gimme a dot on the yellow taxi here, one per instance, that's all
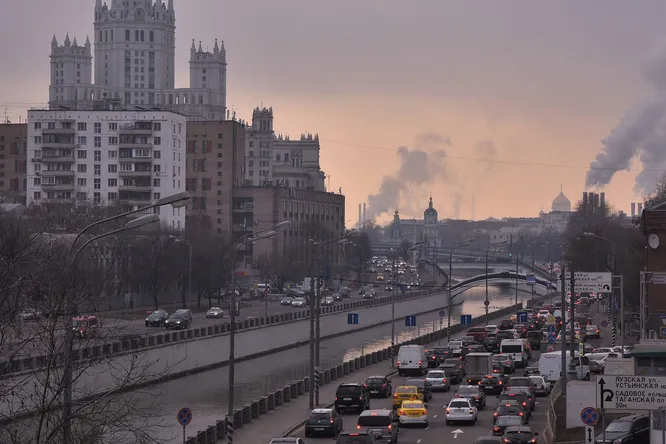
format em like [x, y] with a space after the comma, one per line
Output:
[406, 393]
[413, 412]
[514, 317]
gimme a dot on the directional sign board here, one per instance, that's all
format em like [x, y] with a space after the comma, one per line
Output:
[591, 282]
[589, 434]
[551, 328]
[531, 279]
[184, 416]
[410, 321]
[662, 332]
[465, 319]
[552, 338]
[631, 392]
[352, 318]
[522, 317]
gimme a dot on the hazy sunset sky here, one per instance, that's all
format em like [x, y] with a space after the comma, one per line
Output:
[533, 86]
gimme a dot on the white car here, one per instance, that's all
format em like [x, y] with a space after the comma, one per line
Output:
[492, 329]
[299, 302]
[461, 409]
[287, 300]
[541, 386]
[456, 347]
[438, 380]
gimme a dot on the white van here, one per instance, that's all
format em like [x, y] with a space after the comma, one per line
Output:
[517, 349]
[550, 365]
[412, 359]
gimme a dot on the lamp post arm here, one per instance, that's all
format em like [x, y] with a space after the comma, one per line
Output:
[72, 259]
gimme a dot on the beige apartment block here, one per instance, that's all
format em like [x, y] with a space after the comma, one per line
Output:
[13, 159]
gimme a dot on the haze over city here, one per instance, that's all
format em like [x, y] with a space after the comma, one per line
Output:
[511, 99]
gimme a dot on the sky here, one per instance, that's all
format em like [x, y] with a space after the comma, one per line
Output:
[496, 103]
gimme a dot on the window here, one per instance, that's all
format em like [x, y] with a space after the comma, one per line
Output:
[97, 169]
[191, 184]
[37, 195]
[98, 155]
[157, 126]
[157, 141]
[81, 154]
[206, 184]
[157, 154]
[113, 126]
[82, 140]
[156, 182]
[98, 128]
[113, 154]
[126, 167]
[37, 181]
[112, 196]
[113, 141]
[38, 139]
[136, 35]
[113, 168]
[82, 126]
[97, 198]
[81, 168]
[38, 125]
[81, 181]
[112, 182]
[98, 142]
[156, 196]
[127, 35]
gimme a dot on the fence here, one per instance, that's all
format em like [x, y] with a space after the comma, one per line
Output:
[551, 419]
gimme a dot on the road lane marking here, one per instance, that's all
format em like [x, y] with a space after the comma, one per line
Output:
[434, 416]
[418, 441]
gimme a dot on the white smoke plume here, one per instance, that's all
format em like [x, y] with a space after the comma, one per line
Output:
[641, 131]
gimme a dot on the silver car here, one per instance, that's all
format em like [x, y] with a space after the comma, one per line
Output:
[286, 300]
[461, 409]
[438, 381]
[299, 302]
[215, 312]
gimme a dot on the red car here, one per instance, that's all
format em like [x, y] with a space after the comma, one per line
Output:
[478, 333]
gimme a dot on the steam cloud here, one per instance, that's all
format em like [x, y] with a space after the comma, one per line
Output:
[420, 166]
[641, 131]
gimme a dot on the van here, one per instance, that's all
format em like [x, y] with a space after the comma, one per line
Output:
[550, 365]
[518, 349]
[412, 359]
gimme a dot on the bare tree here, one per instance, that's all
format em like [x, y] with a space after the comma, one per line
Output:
[211, 263]
[153, 265]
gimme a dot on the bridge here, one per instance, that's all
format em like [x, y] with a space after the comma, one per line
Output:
[501, 276]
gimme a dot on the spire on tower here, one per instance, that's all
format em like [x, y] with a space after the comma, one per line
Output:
[216, 48]
[67, 41]
[74, 43]
[87, 44]
[170, 6]
[54, 42]
[200, 48]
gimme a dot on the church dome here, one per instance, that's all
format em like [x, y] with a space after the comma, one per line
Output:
[430, 211]
[561, 203]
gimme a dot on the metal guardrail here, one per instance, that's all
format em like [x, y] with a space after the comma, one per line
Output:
[549, 434]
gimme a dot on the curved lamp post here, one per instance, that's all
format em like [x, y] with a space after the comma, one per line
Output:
[449, 309]
[490, 247]
[189, 263]
[244, 240]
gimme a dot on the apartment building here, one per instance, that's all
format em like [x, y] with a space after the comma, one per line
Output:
[313, 214]
[13, 146]
[215, 163]
[106, 155]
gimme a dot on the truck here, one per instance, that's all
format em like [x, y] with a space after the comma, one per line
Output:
[477, 366]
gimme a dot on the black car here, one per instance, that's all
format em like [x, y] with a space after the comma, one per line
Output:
[473, 392]
[632, 429]
[452, 371]
[534, 337]
[509, 410]
[506, 324]
[521, 398]
[354, 436]
[323, 422]
[177, 320]
[506, 421]
[519, 435]
[491, 344]
[493, 384]
[442, 353]
[473, 348]
[352, 396]
[157, 318]
[488, 440]
[504, 334]
[529, 391]
[423, 387]
[379, 386]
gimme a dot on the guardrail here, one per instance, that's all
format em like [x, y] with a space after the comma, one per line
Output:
[274, 400]
[129, 342]
[549, 434]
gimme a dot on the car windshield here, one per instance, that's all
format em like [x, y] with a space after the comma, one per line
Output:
[459, 404]
[157, 314]
[374, 421]
[412, 405]
[619, 426]
[435, 375]
[415, 382]
[299, 300]
[405, 390]
[177, 316]
[448, 365]
[455, 344]
[319, 416]
[498, 358]
[512, 349]
[489, 381]
[348, 391]
[468, 391]
[536, 379]
[519, 435]
[520, 382]
[375, 381]
[509, 420]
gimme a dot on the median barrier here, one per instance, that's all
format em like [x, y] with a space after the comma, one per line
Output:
[272, 401]
[135, 342]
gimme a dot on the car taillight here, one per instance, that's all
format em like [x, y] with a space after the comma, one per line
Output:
[331, 420]
[495, 414]
[520, 414]
[358, 427]
[500, 383]
[360, 398]
[457, 395]
[390, 426]
[398, 363]
[524, 404]
[425, 412]
[383, 386]
[471, 410]
[448, 410]
[497, 429]
[402, 413]
[365, 385]
[394, 396]
[479, 382]
[443, 380]
[420, 362]
[434, 357]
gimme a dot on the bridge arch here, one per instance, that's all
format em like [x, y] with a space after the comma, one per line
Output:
[502, 275]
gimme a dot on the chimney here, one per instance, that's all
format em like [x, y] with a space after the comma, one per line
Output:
[364, 216]
[633, 210]
[640, 209]
[360, 221]
[602, 202]
[595, 205]
[585, 205]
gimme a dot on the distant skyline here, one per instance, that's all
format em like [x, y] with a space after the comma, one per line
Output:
[518, 94]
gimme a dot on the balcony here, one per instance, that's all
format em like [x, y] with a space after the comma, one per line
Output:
[146, 159]
[134, 187]
[58, 186]
[138, 128]
[59, 131]
[139, 145]
[147, 173]
[58, 158]
[57, 173]
[56, 145]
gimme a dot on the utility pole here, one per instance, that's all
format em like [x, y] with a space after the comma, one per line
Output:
[516, 279]
[563, 330]
[312, 330]
[572, 345]
[317, 324]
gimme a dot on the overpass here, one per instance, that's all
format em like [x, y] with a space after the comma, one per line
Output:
[506, 276]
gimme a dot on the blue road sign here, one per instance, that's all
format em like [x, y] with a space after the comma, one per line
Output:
[522, 317]
[184, 416]
[410, 321]
[589, 416]
[551, 328]
[531, 279]
[352, 318]
[465, 319]
[663, 319]
[552, 338]
[662, 331]
[441, 313]
[403, 288]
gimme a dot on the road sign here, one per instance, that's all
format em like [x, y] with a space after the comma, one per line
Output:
[352, 318]
[184, 416]
[659, 278]
[552, 338]
[551, 328]
[457, 432]
[662, 332]
[589, 416]
[631, 392]
[663, 319]
[486, 303]
[531, 279]
[589, 434]
[604, 323]
[441, 313]
[465, 319]
[522, 317]
[410, 321]
[550, 349]
[591, 282]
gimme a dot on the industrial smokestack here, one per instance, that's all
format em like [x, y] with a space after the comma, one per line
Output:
[640, 209]
[602, 202]
[595, 206]
[633, 210]
[360, 221]
[585, 204]
[364, 213]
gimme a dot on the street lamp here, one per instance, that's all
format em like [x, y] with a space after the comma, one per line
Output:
[393, 292]
[189, 277]
[244, 240]
[67, 378]
[458, 245]
[490, 246]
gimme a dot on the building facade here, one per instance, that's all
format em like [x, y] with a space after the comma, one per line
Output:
[132, 157]
[313, 214]
[134, 48]
[13, 149]
[215, 165]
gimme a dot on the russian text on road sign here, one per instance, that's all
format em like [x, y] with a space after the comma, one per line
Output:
[589, 434]
[522, 317]
[659, 278]
[465, 319]
[441, 313]
[631, 392]
[352, 318]
[662, 332]
[589, 416]
[590, 282]
[410, 321]
[184, 416]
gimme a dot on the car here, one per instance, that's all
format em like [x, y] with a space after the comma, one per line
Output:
[442, 353]
[592, 332]
[491, 344]
[287, 440]
[215, 313]
[29, 314]
[488, 440]
[506, 421]
[379, 386]
[351, 396]
[438, 380]
[521, 398]
[506, 324]
[472, 348]
[477, 333]
[529, 391]
[85, 326]
[454, 369]
[461, 409]
[405, 393]
[456, 348]
[384, 424]
[299, 302]
[356, 436]
[532, 370]
[178, 319]
[156, 318]
[519, 435]
[492, 329]
[493, 384]
[508, 409]
[503, 364]
[474, 393]
[327, 301]
[541, 386]
[413, 413]
[632, 429]
[422, 385]
[326, 422]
